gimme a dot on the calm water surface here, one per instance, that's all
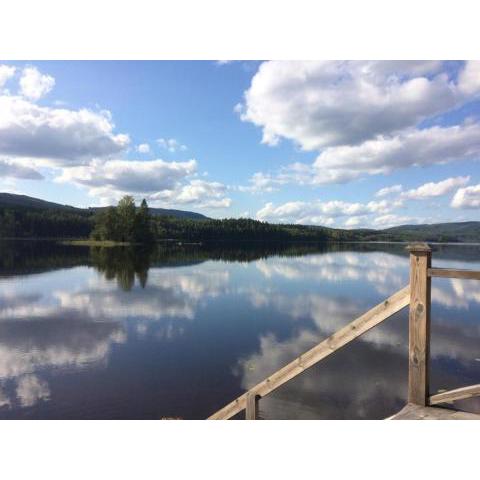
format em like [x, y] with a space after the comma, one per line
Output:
[180, 331]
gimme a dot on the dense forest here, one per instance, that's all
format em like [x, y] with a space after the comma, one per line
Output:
[128, 223]
[39, 223]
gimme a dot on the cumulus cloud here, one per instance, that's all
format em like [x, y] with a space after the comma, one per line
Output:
[432, 189]
[362, 117]
[6, 72]
[197, 192]
[321, 213]
[383, 192]
[55, 136]
[468, 197]
[130, 175]
[8, 169]
[469, 78]
[171, 144]
[162, 183]
[429, 146]
[321, 104]
[435, 145]
[34, 84]
[263, 183]
[143, 148]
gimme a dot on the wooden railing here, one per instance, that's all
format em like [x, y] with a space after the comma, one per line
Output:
[417, 295]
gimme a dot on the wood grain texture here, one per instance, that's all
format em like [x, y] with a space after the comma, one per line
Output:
[457, 394]
[419, 325]
[454, 273]
[251, 410]
[358, 327]
[419, 412]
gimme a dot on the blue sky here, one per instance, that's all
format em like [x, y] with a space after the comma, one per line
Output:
[346, 144]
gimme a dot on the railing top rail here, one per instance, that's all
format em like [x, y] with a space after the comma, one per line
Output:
[457, 394]
[454, 273]
[342, 337]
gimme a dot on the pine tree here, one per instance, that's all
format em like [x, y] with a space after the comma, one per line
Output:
[143, 231]
[126, 216]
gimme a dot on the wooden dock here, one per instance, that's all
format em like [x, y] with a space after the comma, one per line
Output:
[417, 412]
[417, 296]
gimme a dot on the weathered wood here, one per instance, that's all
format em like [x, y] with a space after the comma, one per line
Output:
[419, 324]
[457, 394]
[340, 338]
[454, 273]
[251, 411]
[419, 412]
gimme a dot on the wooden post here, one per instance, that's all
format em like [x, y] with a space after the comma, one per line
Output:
[419, 324]
[251, 411]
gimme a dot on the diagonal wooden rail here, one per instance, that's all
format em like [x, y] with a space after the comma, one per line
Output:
[330, 345]
[418, 295]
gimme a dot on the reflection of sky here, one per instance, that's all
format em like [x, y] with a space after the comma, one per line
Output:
[454, 337]
[205, 332]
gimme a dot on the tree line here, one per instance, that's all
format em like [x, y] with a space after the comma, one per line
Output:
[127, 223]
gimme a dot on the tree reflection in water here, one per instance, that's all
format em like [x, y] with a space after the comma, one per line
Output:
[123, 264]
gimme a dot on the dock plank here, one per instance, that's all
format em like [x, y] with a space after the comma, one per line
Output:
[419, 412]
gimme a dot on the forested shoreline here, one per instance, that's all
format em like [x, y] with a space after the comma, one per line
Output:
[129, 223]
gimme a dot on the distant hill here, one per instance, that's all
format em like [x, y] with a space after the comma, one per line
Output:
[11, 200]
[441, 232]
[171, 212]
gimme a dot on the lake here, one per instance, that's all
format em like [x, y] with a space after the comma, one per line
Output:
[181, 330]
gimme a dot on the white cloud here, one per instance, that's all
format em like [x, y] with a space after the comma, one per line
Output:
[429, 146]
[35, 85]
[262, 183]
[435, 145]
[201, 193]
[469, 78]
[361, 117]
[468, 197]
[171, 144]
[383, 192]
[320, 104]
[162, 183]
[321, 213]
[55, 136]
[6, 72]
[432, 189]
[9, 169]
[353, 221]
[391, 220]
[31, 389]
[130, 175]
[143, 148]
